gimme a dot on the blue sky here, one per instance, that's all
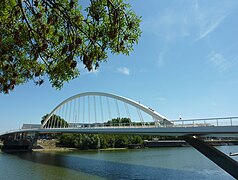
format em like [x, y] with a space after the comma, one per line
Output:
[184, 64]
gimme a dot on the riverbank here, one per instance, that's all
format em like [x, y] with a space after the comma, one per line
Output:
[49, 146]
[56, 149]
[52, 145]
[113, 149]
[63, 149]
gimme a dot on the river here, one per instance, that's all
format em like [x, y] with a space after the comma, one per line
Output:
[139, 164]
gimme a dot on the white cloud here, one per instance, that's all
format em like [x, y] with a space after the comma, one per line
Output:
[186, 22]
[208, 27]
[209, 18]
[168, 25]
[124, 70]
[195, 19]
[219, 61]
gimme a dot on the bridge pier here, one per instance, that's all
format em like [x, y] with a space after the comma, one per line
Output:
[218, 157]
[18, 142]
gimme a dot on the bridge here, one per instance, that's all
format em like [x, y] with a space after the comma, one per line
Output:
[104, 113]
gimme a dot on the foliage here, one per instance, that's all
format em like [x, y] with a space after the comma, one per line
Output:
[54, 121]
[95, 141]
[126, 122]
[103, 141]
[48, 38]
[121, 141]
[119, 121]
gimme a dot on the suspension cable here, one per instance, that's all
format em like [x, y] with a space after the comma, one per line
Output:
[118, 111]
[50, 121]
[109, 111]
[60, 111]
[78, 110]
[101, 108]
[54, 119]
[57, 119]
[95, 108]
[70, 112]
[127, 111]
[89, 109]
[62, 116]
[74, 115]
[140, 116]
[83, 110]
[66, 115]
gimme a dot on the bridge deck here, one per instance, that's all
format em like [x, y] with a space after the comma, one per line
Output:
[215, 131]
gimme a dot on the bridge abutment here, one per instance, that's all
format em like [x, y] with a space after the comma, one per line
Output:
[18, 142]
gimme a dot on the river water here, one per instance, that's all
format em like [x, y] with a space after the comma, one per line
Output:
[139, 164]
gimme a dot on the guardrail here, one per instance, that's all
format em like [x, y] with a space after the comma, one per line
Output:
[116, 125]
[206, 122]
[225, 121]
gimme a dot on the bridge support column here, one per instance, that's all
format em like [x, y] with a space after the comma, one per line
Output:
[17, 142]
[218, 157]
[35, 138]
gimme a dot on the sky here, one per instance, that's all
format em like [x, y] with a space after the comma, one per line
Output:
[185, 63]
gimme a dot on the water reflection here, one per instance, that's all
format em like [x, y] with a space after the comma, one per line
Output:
[108, 169]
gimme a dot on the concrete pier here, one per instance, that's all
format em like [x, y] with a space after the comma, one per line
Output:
[18, 142]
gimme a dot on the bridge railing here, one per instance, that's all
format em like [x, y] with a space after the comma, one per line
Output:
[226, 121]
[115, 125]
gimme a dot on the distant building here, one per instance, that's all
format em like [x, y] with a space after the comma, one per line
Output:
[31, 126]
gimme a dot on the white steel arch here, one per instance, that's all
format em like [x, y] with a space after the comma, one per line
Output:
[156, 116]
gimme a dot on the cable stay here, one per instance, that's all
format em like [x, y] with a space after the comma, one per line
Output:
[100, 98]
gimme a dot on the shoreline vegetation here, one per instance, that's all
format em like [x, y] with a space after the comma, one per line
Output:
[64, 149]
[53, 145]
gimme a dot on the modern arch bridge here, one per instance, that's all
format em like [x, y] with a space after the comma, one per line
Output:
[104, 113]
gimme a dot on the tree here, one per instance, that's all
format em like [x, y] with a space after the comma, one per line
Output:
[121, 141]
[119, 122]
[97, 141]
[54, 121]
[135, 139]
[47, 38]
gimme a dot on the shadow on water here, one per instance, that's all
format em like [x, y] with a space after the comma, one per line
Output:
[108, 169]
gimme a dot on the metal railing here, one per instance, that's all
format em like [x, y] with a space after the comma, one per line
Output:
[111, 125]
[205, 122]
[225, 121]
